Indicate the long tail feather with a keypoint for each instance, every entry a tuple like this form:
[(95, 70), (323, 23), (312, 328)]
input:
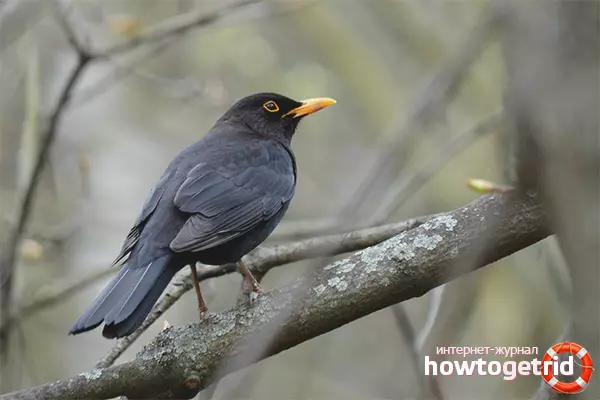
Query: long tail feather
[(139, 314), (126, 301)]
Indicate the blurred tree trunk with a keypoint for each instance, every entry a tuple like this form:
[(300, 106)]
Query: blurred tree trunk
[(553, 96)]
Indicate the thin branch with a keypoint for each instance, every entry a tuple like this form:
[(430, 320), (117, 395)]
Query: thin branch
[(295, 229), (175, 26), (57, 293), (60, 12), (158, 44), (406, 188), (9, 253), (181, 361), (437, 295), (119, 72), (260, 261), (16, 18), (9, 256), (429, 105), (430, 387)]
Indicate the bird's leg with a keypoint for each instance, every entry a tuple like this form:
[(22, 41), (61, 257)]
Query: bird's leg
[(201, 304), (256, 289)]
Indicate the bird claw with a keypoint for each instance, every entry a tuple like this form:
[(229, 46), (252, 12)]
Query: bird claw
[(253, 296), (206, 315)]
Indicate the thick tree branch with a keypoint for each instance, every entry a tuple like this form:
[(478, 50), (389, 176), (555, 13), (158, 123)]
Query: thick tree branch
[(261, 261), (182, 360)]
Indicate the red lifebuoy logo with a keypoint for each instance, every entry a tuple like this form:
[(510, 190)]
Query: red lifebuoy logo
[(586, 363)]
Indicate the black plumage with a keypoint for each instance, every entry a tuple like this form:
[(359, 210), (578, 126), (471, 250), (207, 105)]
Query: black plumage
[(216, 201)]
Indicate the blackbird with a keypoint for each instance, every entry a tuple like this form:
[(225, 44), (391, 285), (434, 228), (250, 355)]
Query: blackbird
[(216, 201)]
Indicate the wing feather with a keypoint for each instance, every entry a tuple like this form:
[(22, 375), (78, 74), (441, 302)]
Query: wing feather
[(147, 209), (226, 202)]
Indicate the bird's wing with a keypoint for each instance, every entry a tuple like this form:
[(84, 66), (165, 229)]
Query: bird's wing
[(227, 201), (148, 208)]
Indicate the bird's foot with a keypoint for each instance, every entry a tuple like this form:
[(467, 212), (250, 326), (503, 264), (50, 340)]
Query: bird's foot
[(206, 315), (251, 289), (254, 294)]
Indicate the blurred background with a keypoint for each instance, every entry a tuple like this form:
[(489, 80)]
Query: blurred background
[(131, 114)]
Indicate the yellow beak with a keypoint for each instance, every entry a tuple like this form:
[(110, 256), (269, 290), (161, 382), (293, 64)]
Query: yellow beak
[(310, 106)]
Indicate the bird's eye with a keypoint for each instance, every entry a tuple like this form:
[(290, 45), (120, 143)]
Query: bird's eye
[(271, 106)]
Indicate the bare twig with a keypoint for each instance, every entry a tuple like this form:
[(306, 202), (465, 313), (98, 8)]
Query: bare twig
[(430, 387), (406, 188), (295, 230), (430, 104), (181, 361), (16, 16), (175, 26), (157, 44), (61, 13), (9, 254), (260, 262), (57, 293), (120, 72), (437, 295)]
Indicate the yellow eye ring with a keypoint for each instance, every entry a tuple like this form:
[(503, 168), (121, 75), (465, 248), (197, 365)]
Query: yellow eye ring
[(271, 106)]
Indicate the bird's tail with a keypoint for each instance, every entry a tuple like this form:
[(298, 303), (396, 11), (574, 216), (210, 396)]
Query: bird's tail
[(127, 299)]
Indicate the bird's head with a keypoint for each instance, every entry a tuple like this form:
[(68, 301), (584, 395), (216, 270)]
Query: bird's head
[(274, 115)]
